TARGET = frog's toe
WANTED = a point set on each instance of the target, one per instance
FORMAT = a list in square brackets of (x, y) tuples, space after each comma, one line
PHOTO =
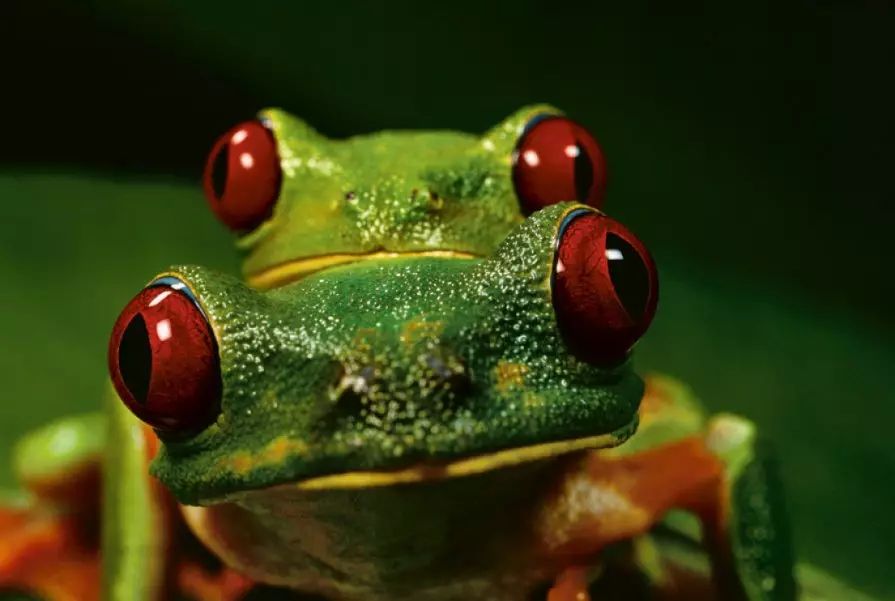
[(761, 550), (60, 462)]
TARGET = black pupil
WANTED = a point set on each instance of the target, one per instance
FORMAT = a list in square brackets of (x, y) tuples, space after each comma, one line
[(584, 173), (135, 358), (629, 274), (219, 172)]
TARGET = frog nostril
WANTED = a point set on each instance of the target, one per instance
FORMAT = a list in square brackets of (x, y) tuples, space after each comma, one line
[(435, 201), (430, 198), (450, 378), (394, 393), (353, 387)]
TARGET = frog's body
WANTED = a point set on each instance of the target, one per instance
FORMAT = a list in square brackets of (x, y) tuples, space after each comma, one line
[(421, 394)]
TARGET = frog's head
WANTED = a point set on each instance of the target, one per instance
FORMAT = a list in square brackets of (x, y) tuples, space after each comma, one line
[(301, 202), (391, 371)]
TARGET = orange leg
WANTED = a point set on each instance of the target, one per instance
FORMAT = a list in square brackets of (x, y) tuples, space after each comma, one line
[(608, 499), (51, 556), (47, 555)]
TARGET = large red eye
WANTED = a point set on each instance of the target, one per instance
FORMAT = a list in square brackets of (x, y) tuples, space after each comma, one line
[(163, 359), (557, 160), (605, 287), (242, 176)]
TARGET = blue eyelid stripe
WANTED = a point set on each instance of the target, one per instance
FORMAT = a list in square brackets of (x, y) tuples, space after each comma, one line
[(567, 220), (534, 121), (179, 285)]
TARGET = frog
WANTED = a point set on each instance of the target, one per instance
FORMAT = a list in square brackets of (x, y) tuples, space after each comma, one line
[(421, 387)]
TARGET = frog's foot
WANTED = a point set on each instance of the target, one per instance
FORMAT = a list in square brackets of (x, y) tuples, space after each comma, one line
[(47, 554), (719, 478), (49, 534), (752, 534)]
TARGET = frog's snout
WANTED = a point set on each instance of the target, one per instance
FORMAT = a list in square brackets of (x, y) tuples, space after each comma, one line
[(399, 388), (388, 208)]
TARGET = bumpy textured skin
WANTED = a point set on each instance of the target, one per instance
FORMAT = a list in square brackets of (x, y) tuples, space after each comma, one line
[(457, 357), (402, 324), (388, 191)]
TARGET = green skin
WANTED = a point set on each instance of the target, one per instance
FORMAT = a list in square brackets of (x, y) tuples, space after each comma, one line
[(411, 412), (392, 176), (290, 356), (481, 310)]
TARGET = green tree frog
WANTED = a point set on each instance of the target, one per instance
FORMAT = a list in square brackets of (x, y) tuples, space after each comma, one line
[(421, 389)]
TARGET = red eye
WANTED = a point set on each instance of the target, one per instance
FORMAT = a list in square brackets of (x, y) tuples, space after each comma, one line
[(163, 360), (242, 176), (605, 287), (556, 160)]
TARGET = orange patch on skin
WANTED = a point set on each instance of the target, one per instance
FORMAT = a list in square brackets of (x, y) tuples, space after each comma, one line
[(508, 374), (239, 463), (273, 454), (419, 329), (280, 448)]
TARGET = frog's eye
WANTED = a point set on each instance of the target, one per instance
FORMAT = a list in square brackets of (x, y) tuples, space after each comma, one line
[(163, 359), (605, 287), (242, 176), (557, 160)]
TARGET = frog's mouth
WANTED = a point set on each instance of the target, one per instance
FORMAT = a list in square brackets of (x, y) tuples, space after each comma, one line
[(292, 271), (469, 466)]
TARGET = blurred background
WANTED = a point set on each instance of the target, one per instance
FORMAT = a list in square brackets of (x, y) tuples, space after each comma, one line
[(750, 145)]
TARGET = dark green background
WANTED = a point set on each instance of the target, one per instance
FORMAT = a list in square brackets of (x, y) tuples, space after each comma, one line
[(750, 145)]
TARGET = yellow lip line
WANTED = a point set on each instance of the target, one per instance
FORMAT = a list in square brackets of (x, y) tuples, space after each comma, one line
[(462, 467), (291, 271)]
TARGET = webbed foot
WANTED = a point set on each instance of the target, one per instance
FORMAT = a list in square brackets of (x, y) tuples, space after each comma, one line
[(753, 528), (717, 472)]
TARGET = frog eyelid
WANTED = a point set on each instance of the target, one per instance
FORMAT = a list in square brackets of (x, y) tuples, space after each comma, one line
[(567, 218), (527, 127), (534, 120), (179, 285)]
